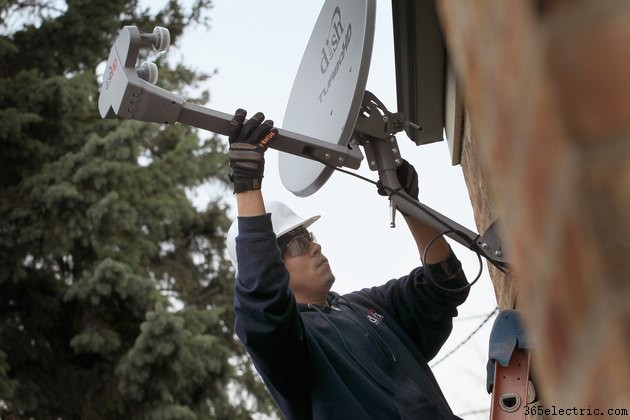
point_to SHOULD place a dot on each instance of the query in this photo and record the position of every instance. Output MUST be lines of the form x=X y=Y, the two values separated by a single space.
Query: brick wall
x=546 y=150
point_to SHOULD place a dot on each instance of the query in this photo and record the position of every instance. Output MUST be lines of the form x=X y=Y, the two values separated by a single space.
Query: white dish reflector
x=328 y=89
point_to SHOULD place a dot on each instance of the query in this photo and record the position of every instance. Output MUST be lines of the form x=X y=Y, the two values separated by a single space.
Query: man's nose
x=315 y=248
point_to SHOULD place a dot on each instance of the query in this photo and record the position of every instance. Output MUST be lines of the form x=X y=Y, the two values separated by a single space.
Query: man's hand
x=248 y=143
x=408 y=179
x=422 y=233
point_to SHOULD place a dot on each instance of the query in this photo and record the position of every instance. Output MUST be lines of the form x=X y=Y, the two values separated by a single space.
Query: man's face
x=311 y=276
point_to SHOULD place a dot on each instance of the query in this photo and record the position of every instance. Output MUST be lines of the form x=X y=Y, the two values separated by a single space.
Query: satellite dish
x=328 y=107
x=326 y=97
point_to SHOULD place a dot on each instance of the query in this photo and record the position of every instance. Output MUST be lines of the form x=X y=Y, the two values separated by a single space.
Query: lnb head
x=148 y=71
x=129 y=91
x=160 y=39
x=163 y=38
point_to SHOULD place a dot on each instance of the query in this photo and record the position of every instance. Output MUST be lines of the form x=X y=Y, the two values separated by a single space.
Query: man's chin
x=331 y=279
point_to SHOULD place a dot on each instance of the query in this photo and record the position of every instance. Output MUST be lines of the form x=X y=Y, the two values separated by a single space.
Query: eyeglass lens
x=299 y=245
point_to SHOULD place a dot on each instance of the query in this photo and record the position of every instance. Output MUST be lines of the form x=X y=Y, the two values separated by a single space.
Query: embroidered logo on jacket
x=374 y=317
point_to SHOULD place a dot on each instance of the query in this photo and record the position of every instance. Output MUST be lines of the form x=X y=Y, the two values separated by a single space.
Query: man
x=324 y=356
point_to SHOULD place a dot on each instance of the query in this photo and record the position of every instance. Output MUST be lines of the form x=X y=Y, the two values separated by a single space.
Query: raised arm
x=248 y=143
x=423 y=234
x=267 y=318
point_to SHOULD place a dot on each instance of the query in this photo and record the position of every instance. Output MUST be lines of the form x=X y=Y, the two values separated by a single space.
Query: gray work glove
x=248 y=143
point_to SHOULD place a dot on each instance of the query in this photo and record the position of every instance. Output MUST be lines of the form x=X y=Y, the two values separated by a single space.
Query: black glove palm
x=248 y=143
x=408 y=178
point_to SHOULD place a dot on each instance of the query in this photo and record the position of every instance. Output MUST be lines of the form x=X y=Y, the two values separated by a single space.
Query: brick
x=603 y=379
x=604 y=199
x=544 y=154
x=549 y=156
x=556 y=348
x=589 y=59
x=574 y=270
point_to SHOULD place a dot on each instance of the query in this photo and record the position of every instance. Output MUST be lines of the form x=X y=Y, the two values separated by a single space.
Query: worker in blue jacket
x=363 y=355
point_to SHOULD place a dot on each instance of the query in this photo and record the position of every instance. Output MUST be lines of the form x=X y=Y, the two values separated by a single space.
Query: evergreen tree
x=115 y=294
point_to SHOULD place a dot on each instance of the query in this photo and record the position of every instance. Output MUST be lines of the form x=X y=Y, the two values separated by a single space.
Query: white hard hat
x=283 y=220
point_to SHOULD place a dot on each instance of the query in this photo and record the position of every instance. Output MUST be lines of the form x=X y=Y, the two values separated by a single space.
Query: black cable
x=435 y=283
x=471 y=246
x=392 y=191
x=446 y=356
x=410 y=200
x=416 y=204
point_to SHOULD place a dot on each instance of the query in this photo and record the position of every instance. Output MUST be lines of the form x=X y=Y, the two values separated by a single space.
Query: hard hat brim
x=304 y=223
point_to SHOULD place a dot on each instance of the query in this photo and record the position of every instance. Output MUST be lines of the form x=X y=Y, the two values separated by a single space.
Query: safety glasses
x=296 y=243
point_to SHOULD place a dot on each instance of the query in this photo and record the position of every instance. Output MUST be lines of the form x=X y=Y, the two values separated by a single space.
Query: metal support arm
x=286 y=141
x=374 y=130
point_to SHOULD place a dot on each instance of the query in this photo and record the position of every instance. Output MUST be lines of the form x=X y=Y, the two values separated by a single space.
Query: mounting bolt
x=484 y=245
x=372 y=163
x=398 y=162
x=498 y=253
x=385 y=118
x=394 y=150
x=327 y=156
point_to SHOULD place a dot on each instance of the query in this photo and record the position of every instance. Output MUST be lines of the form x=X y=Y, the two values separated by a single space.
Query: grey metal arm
x=489 y=246
x=374 y=131
x=126 y=95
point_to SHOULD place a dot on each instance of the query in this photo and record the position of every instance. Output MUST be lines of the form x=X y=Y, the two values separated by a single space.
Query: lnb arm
x=130 y=93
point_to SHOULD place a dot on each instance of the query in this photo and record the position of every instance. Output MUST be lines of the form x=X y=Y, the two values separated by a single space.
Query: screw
x=327 y=156
x=498 y=253
x=484 y=245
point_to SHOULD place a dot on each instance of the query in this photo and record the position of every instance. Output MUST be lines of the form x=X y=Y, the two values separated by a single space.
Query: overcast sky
x=256 y=48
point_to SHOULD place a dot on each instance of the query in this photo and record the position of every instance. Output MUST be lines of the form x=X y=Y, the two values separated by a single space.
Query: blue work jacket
x=362 y=355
